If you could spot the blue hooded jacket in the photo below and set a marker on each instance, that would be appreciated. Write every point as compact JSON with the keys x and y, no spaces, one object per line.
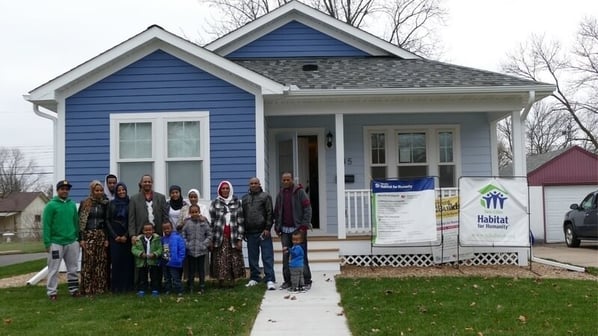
{"x":173,"y":250}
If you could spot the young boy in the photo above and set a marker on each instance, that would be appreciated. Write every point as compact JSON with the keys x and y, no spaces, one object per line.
{"x":198,"y":237}
{"x":147,"y":251}
{"x":296,"y":256}
{"x":173,"y":254}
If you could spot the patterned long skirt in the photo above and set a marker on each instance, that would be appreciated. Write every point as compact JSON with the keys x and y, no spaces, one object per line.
{"x":94,"y":263}
{"x":227,"y":262}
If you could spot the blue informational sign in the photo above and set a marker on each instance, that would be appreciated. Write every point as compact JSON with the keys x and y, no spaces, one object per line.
{"x":402,"y":185}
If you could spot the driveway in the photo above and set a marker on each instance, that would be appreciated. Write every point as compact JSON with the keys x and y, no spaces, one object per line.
{"x":586,"y":255}
{"x":9,"y":259}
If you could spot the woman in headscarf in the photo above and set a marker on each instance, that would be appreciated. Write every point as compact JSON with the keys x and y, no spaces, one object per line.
{"x":193,"y":197}
{"x":226,"y":217}
{"x":93,"y":219}
{"x":175,"y":204}
{"x":122,"y":262}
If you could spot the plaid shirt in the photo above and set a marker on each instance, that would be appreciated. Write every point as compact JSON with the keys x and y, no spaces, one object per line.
{"x":218,"y":211}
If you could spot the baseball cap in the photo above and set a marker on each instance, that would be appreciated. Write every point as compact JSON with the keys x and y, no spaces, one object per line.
{"x":63,"y":183}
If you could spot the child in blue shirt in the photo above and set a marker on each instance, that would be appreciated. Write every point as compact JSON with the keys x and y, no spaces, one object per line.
{"x":296,"y":256}
{"x":173,"y":255}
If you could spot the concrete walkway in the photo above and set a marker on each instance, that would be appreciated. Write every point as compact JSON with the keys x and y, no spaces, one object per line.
{"x":316,"y":312}
{"x":586,"y":255}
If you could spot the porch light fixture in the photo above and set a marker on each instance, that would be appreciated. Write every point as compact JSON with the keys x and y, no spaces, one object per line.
{"x":329,"y":139}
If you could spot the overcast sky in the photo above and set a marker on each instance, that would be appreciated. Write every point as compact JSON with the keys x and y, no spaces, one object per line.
{"x":42,"y":39}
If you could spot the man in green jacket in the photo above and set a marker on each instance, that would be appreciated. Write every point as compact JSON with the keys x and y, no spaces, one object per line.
{"x":61,"y":231}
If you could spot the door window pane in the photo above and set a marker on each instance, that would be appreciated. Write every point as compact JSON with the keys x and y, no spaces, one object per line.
{"x":135,"y":140}
{"x":184,"y":139}
{"x":187,"y":175}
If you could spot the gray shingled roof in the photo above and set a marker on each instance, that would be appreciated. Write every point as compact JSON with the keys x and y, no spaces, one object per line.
{"x":533,"y":162}
{"x":18,"y":201}
{"x":376,"y":72}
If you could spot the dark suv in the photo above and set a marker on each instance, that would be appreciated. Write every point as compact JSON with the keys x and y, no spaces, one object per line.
{"x":581,"y":222}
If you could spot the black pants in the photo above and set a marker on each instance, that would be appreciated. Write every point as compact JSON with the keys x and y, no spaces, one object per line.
{"x":197,"y":265}
{"x":155,"y":278}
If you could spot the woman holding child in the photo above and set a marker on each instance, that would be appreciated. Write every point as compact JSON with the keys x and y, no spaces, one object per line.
{"x":226,"y":217}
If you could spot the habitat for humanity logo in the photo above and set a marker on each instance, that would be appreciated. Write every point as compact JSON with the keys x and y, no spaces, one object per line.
{"x":493,"y":201}
{"x":493,"y":197}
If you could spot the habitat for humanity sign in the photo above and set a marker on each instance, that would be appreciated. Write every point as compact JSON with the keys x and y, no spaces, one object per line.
{"x":493,"y":211}
{"x":403,"y":211}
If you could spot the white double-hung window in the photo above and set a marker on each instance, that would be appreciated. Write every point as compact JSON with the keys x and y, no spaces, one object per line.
{"x":415,"y":151}
{"x":172,"y":147}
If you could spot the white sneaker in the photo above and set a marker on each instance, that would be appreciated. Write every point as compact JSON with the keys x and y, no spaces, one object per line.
{"x":251,"y":283}
{"x":270,"y":285}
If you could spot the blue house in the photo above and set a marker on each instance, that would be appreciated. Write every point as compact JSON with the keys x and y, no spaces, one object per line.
{"x":295,"y":90}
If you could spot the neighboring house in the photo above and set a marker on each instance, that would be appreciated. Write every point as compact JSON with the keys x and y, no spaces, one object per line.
{"x":21,"y":212}
{"x":556,"y":180}
{"x":295,"y":90}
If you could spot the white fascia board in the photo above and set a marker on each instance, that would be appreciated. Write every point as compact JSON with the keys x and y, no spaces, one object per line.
{"x":48,"y":91}
{"x":311,"y":17}
{"x":541,"y":91}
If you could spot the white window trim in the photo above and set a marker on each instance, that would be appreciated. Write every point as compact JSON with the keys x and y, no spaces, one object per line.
{"x":432,"y":155}
{"x":159,"y":122}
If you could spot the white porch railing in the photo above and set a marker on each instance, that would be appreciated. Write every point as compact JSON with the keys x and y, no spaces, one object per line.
{"x":357,"y":209}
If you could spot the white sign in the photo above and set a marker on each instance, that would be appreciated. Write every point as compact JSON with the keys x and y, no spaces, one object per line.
{"x":493,"y":211}
{"x":404,"y":211}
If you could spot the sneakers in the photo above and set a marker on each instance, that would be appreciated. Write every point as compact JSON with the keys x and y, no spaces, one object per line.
{"x":76,"y":294}
{"x":155,"y":293}
{"x":301,"y":290}
{"x":141,"y":293}
{"x":53,"y":297}
{"x":270,"y":285}
{"x":285,"y":285}
{"x":251,"y":283}
{"x":307,"y":286}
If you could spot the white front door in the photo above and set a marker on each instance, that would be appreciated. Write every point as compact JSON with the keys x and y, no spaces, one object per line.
{"x":299,"y":152}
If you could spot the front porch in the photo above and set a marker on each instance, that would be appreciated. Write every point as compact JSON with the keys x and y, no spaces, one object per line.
{"x":354,"y":245}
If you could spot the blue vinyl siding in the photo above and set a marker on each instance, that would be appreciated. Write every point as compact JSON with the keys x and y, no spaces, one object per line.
{"x":295,"y":39}
{"x":159,"y":83}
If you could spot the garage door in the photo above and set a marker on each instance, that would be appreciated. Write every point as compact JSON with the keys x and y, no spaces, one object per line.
{"x":557,"y":200}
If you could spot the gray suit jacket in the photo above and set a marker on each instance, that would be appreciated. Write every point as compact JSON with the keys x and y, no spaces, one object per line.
{"x":138,"y":213}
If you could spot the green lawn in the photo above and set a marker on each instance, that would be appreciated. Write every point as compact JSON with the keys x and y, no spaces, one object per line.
{"x":23,"y":268}
{"x":469,"y":306}
{"x":27,"y":311}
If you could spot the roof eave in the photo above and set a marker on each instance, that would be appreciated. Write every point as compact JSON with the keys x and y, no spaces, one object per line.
{"x":541,"y":91}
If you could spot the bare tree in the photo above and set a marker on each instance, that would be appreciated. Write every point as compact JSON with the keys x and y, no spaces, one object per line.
{"x":574,"y":74}
{"x":547,"y":129}
{"x":17,"y":173}
{"x":410,"y":24}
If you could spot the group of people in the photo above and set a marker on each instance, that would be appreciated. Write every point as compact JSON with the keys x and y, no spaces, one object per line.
{"x":146,"y":243}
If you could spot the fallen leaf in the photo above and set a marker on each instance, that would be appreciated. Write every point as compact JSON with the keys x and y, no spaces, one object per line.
{"x":189,"y":331}
{"x":375,"y":330}
{"x":480,"y":333}
{"x":7,"y":321}
{"x":469,"y":328}
{"x":472,"y":304}
{"x":231,"y":309}
{"x":522,"y":319}
{"x":293,"y":297}
{"x":179,"y":299}
{"x":475,"y":286}
{"x":271,"y":320}
{"x":341,"y":313}
{"x":287,"y":296}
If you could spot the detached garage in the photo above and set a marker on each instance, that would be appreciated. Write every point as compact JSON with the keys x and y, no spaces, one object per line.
{"x":556,"y":180}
